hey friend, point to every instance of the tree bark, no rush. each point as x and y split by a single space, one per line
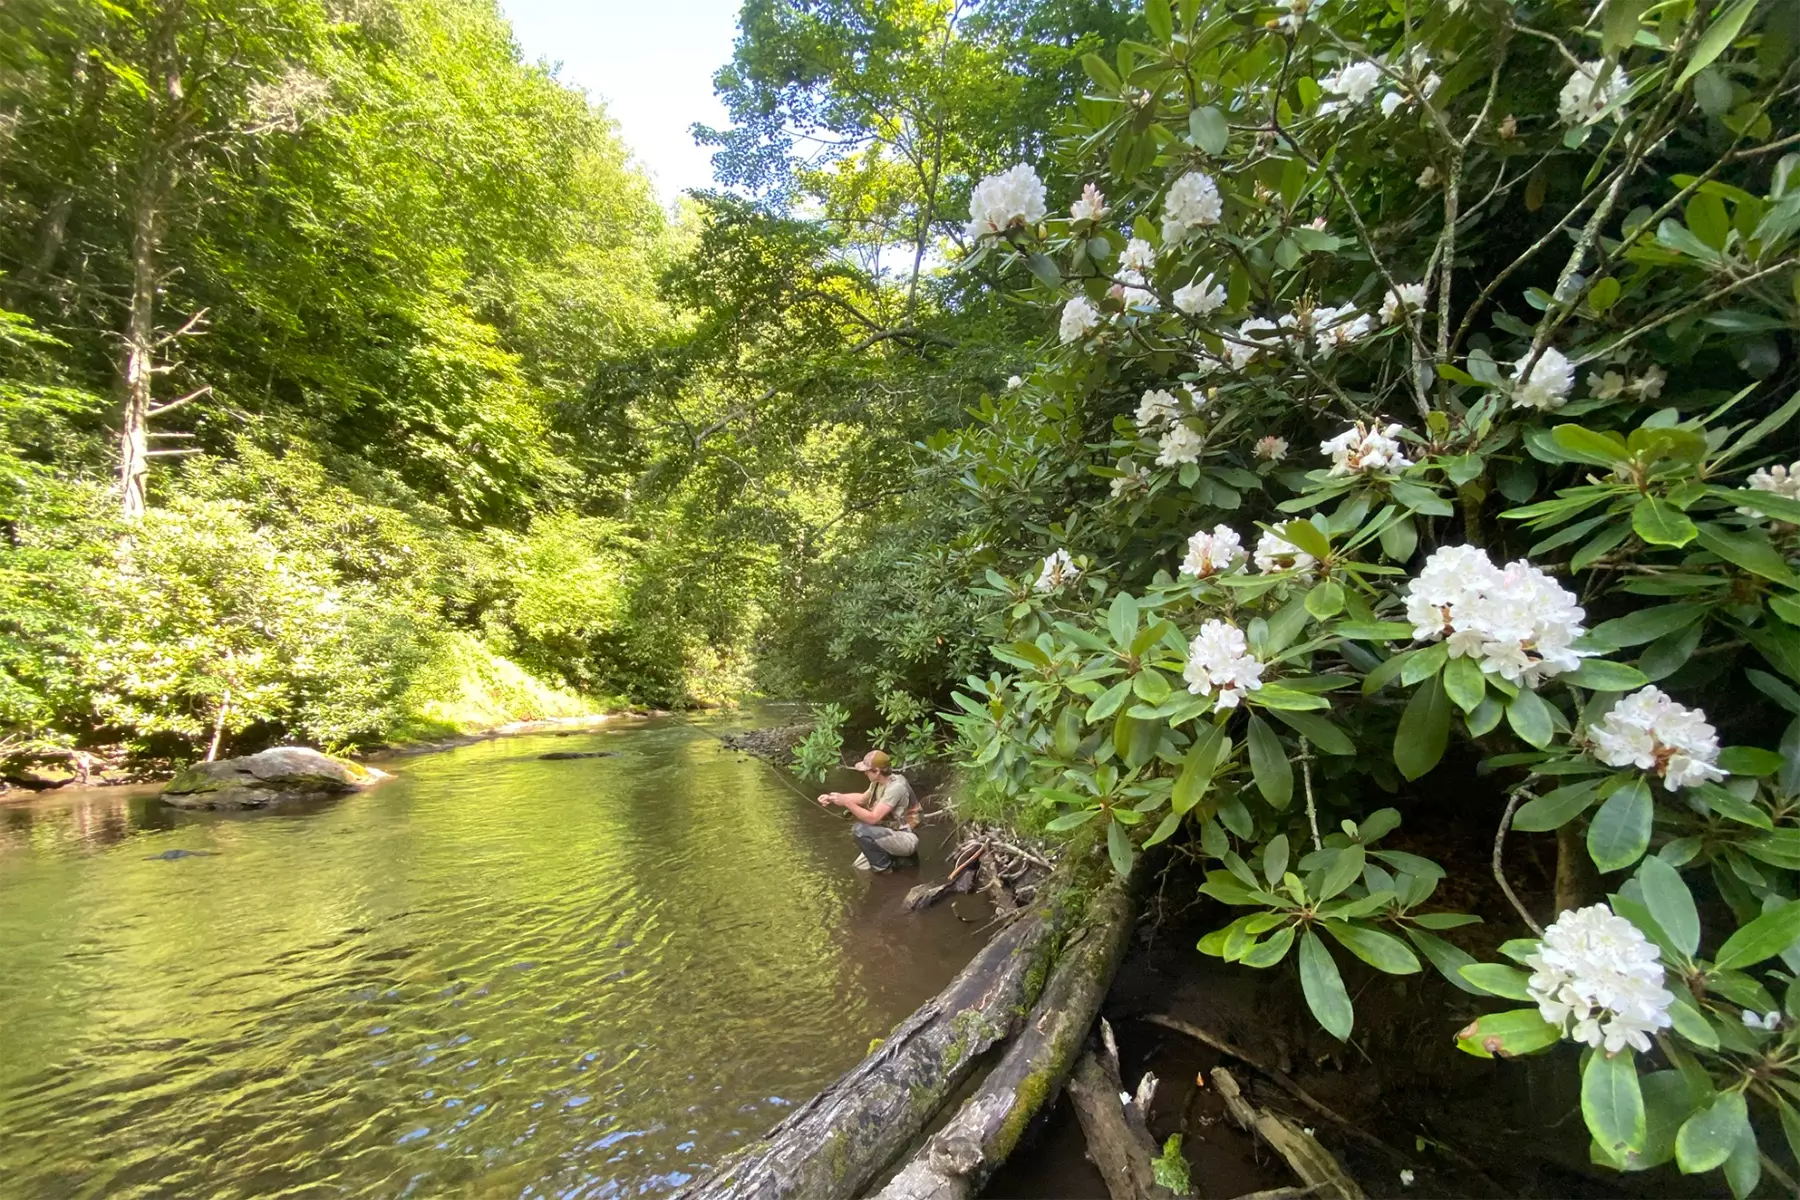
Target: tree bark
136 371
1314 1164
957 1160
1577 880
1117 1140
836 1144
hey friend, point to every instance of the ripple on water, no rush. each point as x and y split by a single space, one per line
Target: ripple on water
587 978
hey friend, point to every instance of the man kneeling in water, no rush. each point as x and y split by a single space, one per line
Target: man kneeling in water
885 814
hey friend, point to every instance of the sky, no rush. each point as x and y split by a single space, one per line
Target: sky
649 61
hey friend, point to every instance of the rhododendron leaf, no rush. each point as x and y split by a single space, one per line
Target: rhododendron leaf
1269 764
1424 664
1447 958
1708 1137
1645 625
1374 631
1424 730
1508 1034
1749 549
1383 951
1101 72
1325 600
1531 718
1743 1170
1486 716
1765 937
1555 809
1267 953
1235 817
1344 868
1690 1024
1612 1103
1731 807
1749 760
1207 128
1588 446
1324 988
1273 695
1620 832
1670 902
1164 831
1118 848
1465 684
1324 736
1497 979
1109 702
1070 820
1598 675
1717 38
1045 268
1660 523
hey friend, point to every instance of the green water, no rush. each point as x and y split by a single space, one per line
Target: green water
492 976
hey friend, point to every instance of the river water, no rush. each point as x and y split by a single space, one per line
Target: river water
491 976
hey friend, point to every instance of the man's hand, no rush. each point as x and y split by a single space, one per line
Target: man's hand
827 799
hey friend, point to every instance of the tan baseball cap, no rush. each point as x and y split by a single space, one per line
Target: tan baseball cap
874 760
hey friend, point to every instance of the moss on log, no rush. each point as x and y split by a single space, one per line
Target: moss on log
957 1160
839 1142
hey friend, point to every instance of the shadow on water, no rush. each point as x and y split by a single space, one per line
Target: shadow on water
494 975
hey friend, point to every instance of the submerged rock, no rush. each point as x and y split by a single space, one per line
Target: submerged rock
559 755
172 855
259 780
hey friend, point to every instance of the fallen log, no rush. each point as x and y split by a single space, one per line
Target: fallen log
835 1145
957 1160
1310 1161
1119 1144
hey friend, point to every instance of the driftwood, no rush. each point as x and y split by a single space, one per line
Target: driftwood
957 1160
927 894
1311 1162
837 1143
1119 1144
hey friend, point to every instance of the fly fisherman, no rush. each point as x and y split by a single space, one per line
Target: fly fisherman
886 814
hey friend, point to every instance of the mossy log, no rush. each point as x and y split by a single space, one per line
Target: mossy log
836 1144
1313 1163
1119 1144
957 1160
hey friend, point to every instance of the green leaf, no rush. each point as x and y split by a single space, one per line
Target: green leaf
1620 832
1109 702
1424 730
1585 445
1619 29
1762 938
1273 695
1321 733
1272 951
1689 1023
1749 760
1646 625
1304 535
1599 675
1070 820
1749 549
1269 764
1324 988
1508 1034
1717 38
1531 718
1197 768
1661 523
1708 1137
1158 17
1447 958
1345 869
1611 1101
1206 126
1118 848
1555 809
1464 683
1670 902
1101 72
1045 268
1275 859
1383 951
1164 830
1498 979
1326 600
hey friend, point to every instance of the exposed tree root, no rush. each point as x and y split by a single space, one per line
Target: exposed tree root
1311 1162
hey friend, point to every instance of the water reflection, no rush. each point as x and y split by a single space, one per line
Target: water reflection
494 974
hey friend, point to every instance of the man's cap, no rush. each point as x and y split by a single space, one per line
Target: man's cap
874 760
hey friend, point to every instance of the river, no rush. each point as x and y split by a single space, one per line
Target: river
492 976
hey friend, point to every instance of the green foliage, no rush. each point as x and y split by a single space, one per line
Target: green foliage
1171 1169
823 748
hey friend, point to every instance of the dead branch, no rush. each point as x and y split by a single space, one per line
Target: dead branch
1310 1161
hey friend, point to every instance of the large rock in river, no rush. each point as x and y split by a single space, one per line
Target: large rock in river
259 780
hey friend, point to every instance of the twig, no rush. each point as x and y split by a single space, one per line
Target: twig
1506 817
1312 810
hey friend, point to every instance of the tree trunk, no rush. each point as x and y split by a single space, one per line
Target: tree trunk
958 1159
136 369
837 1143
1577 880
1118 1143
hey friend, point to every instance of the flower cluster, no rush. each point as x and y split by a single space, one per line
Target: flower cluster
1193 201
1180 445
999 202
1401 299
1135 478
1650 731
1079 318
1276 553
1548 383
1598 979
1335 327
1139 256
1590 91
1157 409
1611 385
1777 480
1271 448
1131 292
1090 206
1353 81
1517 622
1220 552
1219 660
1366 450
1200 298
1059 569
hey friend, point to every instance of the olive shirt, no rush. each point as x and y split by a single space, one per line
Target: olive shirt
898 793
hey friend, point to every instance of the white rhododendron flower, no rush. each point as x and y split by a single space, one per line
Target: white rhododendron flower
1179 445
1405 298
1220 552
1139 256
1200 298
1157 408
1549 383
1276 553
1599 980
1649 385
1587 94
1609 386
1296 13
1768 1020
1353 81
1091 206
1777 480
1079 318
1272 448
1334 328
1193 201
1059 569
1516 622
1366 449
1650 731
1219 661
1015 383
999 202
1134 479
1131 292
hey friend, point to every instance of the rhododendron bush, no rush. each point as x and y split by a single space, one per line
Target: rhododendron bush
1417 392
